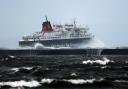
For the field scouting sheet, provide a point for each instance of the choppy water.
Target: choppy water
(64, 72)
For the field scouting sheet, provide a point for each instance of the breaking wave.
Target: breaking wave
(44, 81)
(104, 61)
(21, 83)
(38, 46)
(80, 81)
(41, 46)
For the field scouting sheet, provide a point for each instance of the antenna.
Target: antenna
(46, 18)
(74, 23)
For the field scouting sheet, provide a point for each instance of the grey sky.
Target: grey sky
(107, 19)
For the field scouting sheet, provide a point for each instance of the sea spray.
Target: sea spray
(94, 43)
(38, 46)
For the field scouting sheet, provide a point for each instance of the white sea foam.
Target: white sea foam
(47, 80)
(28, 68)
(41, 46)
(80, 81)
(49, 48)
(73, 74)
(104, 61)
(35, 83)
(63, 48)
(103, 67)
(21, 83)
(73, 81)
(11, 56)
(17, 69)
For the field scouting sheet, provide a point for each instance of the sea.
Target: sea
(64, 72)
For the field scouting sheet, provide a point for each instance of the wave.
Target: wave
(104, 61)
(80, 81)
(104, 67)
(11, 56)
(17, 69)
(121, 81)
(21, 83)
(46, 81)
(73, 81)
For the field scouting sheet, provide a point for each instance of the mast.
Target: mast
(46, 18)
(74, 23)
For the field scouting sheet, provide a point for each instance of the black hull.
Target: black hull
(57, 42)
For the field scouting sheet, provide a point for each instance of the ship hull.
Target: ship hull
(74, 43)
